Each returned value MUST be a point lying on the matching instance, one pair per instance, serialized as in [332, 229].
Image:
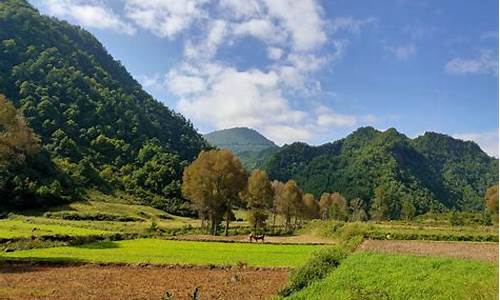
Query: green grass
[18, 228]
[174, 252]
[401, 231]
[382, 276]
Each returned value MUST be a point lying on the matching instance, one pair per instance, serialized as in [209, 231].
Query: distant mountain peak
[238, 136]
[247, 143]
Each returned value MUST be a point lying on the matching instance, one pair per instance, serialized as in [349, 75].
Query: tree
[312, 206]
[358, 213]
[324, 204]
[338, 208]
[259, 198]
[278, 188]
[408, 210]
[17, 140]
[380, 205]
[491, 201]
[212, 183]
[290, 199]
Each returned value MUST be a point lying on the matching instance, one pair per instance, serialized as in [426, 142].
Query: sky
[308, 70]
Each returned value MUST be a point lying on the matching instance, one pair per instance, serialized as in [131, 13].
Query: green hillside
[433, 171]
[98, 127]
[249, 145]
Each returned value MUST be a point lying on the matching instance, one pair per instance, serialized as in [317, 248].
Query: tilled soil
[469, 250]
[26, 281]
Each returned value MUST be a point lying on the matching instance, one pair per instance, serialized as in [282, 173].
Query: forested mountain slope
[433, 171]
[249, 145]
[94, 120]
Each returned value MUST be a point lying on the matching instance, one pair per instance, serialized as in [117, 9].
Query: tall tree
[338, 208]
[491, 201]
[17, 140]
[213, 183]
[259, 198]
[290, 199]
[278, 188]
[380, 205]
[324, 204]
[408, 210]
[358, 212]
[311, 205]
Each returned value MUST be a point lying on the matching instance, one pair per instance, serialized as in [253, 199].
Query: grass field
[402, 231]
[387, 276]
[174, 252]
[21, 228]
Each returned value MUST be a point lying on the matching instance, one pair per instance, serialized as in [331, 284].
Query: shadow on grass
[100, 245]
[34, 264]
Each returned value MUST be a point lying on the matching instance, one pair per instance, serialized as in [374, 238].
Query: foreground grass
[383, 276]
[174, 252]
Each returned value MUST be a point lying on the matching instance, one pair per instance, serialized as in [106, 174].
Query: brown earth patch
[294, 239]
[39, 281]
[470, 250]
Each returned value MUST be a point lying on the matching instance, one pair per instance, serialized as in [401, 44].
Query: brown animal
[256, 237]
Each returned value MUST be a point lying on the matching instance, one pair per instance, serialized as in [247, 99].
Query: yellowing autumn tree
[212, 183]
[17, 140]
[325, 201]
[259, 198]
[311, 206]
[491, 201]
[289, 202]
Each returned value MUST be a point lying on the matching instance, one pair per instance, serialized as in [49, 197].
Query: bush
[76, 216]
[321, 263]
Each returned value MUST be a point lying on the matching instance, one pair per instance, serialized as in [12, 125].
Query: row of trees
[216, 182]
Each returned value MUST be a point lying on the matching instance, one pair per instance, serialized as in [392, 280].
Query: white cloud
[227, 97]
[302, 19]
[350, 24]
[153, 82]
[402, 52]
[89, 14]
[165, 18]
[241, 9]
[274, 53]
[262, 29]
[488, 141]
[486, 63]
[207, 48]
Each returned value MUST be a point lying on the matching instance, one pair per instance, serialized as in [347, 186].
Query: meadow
[156, 251]
[387, 276]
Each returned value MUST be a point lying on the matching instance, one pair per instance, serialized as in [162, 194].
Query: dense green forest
[250, 146]
[431, 172]
[98, 127]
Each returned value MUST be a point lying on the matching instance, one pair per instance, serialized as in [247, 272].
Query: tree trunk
[227, 225]
[274, 220]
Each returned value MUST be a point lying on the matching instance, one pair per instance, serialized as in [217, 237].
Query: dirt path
[24, 281]
[470, 250]
[295, 239]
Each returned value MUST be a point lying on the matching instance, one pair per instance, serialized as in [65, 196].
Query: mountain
[249, 145]
[433, 171]
[94, 119]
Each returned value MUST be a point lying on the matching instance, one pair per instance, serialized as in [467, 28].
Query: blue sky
[309, 70]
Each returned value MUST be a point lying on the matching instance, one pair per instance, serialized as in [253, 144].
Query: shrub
[321, 263]
[76, 216]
